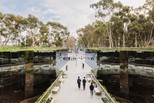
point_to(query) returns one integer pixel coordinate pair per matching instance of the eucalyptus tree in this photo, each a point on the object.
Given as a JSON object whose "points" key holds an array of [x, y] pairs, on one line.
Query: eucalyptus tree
{"points": [[21, 25], [58, 34], [43, 36], [100, 33], [134, 29], [127, 26], [1, 27], [86, 36], [8, 31], [11, 28], [141, 27], [94, 34], [120, 21], [117, 30], [32, 30], [70, 42], [105, 9], [148, 8], [82, 42]]}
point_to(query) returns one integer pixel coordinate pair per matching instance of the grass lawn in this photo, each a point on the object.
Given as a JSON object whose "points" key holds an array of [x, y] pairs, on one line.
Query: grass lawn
{"points": [[122, 48], [11, 48]]}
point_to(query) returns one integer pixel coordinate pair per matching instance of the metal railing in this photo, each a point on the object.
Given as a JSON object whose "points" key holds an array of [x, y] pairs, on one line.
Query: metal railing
{"points": [[44, 97], [107, 95]]}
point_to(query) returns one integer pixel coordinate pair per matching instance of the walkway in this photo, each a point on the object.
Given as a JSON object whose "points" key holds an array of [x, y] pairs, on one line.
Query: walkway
{"points": [[69, 92]]}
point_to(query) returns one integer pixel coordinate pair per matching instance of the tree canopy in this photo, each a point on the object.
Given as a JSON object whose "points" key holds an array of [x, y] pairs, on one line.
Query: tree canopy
{"points": [[119, 25], [70, 42], [31, 31]]}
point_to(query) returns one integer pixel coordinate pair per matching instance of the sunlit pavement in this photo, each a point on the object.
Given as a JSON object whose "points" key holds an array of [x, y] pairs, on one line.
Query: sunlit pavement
{"points": [[69, 92]]}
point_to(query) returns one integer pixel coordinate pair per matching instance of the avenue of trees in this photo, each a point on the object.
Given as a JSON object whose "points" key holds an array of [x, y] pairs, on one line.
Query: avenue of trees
{"points": [[119, 25], [30, 31], [70, 42]]}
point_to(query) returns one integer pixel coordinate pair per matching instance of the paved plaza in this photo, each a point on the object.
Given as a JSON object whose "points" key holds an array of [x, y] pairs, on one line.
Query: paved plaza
{"points": [[69, 92]]}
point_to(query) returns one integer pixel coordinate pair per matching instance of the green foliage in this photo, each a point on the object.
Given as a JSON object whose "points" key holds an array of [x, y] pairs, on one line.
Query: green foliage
{"points": [[125, 27], [30, 31], [92, 35], [58, 33]]}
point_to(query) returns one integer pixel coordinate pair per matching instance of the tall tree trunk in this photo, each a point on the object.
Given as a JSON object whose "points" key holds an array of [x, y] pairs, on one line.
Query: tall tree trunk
{"points": [[110, 36], [119, 41], [135, 40], [116, 42], [110, 39], [6, 40], [33, 39], [123, 41], [150, 37]]}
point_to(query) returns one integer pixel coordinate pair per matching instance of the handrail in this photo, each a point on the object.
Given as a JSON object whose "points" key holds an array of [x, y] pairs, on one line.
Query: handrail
{"points": [[42, 98], [106, 93]]}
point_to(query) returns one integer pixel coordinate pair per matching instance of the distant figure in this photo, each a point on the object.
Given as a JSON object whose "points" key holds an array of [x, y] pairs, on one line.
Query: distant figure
{"points": [[66, 67], [91, 87], [79, 82], [82, 65], [84, 83]]}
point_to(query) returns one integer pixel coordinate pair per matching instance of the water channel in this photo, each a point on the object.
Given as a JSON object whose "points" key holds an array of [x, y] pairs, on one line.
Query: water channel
{"points": [[140, 74], [26, 74]]}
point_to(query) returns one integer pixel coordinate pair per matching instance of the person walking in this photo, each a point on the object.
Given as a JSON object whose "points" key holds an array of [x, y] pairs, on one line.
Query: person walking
{"points": [[91, 87], [66, 67], [79, 82], [82, 65], [84, 83]]}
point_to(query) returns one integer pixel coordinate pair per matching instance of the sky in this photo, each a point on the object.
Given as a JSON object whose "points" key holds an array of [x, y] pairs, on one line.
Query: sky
{"points": [[73, 14]]}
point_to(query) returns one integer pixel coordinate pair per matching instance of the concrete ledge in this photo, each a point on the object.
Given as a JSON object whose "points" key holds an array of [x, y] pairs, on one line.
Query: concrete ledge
{"points": [[89, 79], [103, 96], [61, 80], [97, 91], [64, 75], [55, 90], [88, 75]]}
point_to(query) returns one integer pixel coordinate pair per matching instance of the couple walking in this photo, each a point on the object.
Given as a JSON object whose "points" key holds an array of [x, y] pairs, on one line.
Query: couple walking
{"points": [[91, 87], [83, 82]]}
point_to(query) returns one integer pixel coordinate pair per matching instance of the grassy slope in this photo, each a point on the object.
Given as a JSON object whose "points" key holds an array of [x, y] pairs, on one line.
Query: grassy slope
{"points": [[123, 49], [5, 49]]}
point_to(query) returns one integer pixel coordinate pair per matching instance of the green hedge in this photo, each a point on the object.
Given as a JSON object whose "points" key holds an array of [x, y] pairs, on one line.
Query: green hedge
{"points": [[122, 48]]}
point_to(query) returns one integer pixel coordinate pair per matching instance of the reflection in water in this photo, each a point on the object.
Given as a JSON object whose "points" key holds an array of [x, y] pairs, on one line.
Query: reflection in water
{"points": [[140, 74], [21, 76]]}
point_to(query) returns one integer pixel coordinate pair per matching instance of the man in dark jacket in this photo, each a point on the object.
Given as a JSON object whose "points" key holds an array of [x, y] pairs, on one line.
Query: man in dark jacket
{"points": [[82, 65], [84, 83], [66, 67], [79, 82], [91, 87]]}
